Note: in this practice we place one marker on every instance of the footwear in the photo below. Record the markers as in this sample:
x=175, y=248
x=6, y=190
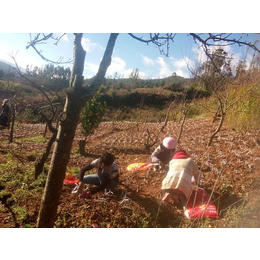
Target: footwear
x=85, y=195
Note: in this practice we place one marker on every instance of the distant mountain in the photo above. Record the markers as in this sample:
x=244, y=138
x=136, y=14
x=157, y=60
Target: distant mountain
x=6, y=66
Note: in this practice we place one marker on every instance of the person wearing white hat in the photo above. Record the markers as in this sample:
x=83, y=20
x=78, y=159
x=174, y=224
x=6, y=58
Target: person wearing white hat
x=164, y=152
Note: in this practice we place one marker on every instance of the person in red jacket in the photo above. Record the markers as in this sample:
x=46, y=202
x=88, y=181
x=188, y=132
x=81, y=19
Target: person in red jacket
x=178, y=181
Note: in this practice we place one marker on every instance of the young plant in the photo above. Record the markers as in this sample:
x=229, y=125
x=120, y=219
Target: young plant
x=91, y=117
x=92, y=114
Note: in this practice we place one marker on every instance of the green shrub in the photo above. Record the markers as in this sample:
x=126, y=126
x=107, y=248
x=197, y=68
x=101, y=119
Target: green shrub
x=92, y=114
x=21, y=213
x=39, y=182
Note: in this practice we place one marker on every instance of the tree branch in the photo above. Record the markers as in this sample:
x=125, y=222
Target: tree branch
x=225, y=39
x=34, y=85
x=106, y=61
x=43, y=40
x=158, y=40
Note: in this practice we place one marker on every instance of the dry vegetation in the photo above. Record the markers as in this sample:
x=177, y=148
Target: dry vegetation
x=229, y=168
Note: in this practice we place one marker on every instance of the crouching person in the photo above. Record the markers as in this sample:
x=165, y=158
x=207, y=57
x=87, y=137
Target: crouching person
x=178, y=182
x=164, y=152
x=106, y=177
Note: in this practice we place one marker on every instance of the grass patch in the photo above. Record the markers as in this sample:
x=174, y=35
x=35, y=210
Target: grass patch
x=35, y=139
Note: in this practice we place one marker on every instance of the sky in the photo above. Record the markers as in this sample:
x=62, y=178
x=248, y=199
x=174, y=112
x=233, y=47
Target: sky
x=129, y=54
x=99, y=18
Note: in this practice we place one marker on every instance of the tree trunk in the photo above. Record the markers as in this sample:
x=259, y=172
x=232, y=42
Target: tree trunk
x=82, y=144
x=217, y=130
x=76, y=97
x=182, y=124
x=11, y=120
x=38, y=169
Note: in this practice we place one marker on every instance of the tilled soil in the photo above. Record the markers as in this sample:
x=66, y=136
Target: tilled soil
x=229, y=168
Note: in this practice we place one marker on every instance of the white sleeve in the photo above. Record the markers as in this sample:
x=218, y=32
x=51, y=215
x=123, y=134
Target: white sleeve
x=96, y=163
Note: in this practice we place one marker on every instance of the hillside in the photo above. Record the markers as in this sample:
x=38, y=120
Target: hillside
x=122, y=94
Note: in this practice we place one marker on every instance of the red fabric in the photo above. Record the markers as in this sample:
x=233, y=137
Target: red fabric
x=179, y=155
x=178, y=191
x=70, y=182
x=197, y=205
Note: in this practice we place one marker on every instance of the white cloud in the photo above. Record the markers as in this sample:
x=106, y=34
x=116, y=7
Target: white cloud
x=179, y=63
x=91, y=67
x=166, y=66
x=164, y=70
x=64, y=37
x=117, y=65
x=147, y=60
x=21, y=59
x=181, y=73
x=127, y=73
x=163, y=67
x=200, y=54
x=89, y=46
x=182, y=63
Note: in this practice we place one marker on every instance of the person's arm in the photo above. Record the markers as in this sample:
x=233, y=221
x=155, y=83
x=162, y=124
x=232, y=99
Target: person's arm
x=155, y=154
x=81, y=175
x=83, y=170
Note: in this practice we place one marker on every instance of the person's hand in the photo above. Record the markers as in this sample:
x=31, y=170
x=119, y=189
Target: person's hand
x=162, y=166
x=156, y=166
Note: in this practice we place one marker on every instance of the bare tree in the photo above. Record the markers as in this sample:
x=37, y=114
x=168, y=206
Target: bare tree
x=222, y=39
x=39, y=165
x=185, y=107
x=205, y=39
x=151, y=141
x=76, y=96
x=216, y=75
x=41, y=38
x=157, y=39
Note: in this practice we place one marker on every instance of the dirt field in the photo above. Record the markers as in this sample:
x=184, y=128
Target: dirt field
x=230, y=167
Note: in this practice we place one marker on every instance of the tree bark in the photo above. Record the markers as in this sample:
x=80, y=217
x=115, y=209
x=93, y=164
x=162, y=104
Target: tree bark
x=11, y=120
x=39, y=165
x=76, y=97
x=182, y=124
x=217, y=130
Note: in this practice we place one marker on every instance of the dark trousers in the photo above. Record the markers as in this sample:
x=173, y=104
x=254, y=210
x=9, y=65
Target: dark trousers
x=101, y=180
x=178, y=197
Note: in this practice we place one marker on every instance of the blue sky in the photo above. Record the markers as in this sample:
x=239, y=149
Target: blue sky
x=128, y=54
